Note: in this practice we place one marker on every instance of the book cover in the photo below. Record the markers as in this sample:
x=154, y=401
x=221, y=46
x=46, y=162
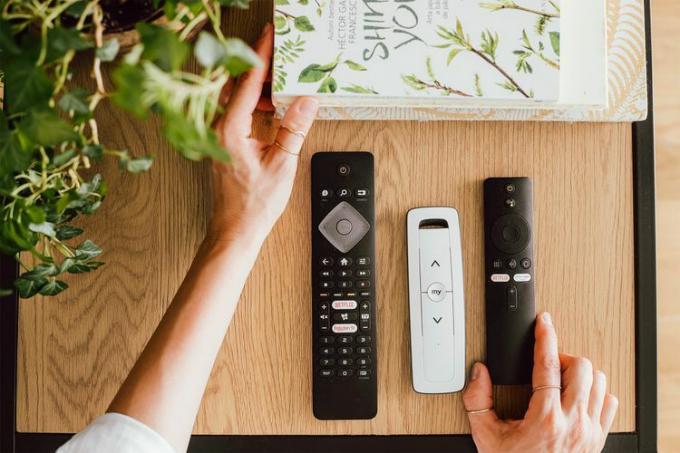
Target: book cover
x=417, y=52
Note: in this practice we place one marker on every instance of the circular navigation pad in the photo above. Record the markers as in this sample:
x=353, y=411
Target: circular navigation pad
x=510, y=234
x=344, y=227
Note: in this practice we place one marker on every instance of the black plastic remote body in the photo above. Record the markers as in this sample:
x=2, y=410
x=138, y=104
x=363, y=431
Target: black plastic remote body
x=510, y=272
x=344, y=382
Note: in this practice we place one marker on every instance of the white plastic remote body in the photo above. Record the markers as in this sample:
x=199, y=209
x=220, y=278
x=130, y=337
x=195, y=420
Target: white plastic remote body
x=436, y=300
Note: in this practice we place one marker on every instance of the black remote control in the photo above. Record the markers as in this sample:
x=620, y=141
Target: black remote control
x=510, y=307
x=344, y=382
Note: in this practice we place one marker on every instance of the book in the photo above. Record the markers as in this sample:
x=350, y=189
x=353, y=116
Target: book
x=601, y=77
x=416, y=52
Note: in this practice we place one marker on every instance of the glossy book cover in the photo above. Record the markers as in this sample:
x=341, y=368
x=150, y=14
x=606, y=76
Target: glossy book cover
x=417, y=52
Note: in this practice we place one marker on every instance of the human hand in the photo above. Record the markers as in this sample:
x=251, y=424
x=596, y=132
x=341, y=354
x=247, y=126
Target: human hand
x=577, y=419
x=251, y=191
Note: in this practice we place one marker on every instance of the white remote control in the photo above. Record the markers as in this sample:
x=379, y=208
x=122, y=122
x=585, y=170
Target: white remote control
x=436, y=300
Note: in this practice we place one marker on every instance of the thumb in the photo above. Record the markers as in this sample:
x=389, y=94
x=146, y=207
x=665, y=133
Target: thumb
x=478, y=396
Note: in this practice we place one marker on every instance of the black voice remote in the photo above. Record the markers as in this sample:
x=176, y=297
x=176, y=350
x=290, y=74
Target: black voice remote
x=510, y=307
x=344, y=382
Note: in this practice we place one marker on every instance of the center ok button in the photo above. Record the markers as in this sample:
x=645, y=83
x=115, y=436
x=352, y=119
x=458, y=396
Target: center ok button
x=436, y=292
x=344, y=227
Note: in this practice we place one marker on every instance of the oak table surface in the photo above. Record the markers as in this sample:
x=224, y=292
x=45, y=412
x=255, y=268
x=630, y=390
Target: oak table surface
x=76, y=349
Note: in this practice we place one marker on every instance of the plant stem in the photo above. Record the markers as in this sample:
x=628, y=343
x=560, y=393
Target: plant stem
x=529, y=10
x=483, y=56
x=437, y=85
x=287, y=15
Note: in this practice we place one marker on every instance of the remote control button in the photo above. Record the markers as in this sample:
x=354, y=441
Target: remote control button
x=365, y=324
x=326, y=193
x=326, y=350
x=345, y=372
x=324, y=326
x=365, y=294
x=344, y=193
x=512, y=298
x=512, y=263
x=338, y=294
x=435, y=261
x=363, y=339
x=344, y=273
x=351, y=294
x=362, y=192
x=363, y=361
x=344, y=284
x=343, y=227
x=326, y=274
x=363, y=273
x=327, y=340
x=344, y=261
x=510, y=202
x=326, y=285
x=500, y=278
x=323, y=307
x=327, y=362
x=497, y=264
x=326, y=261
x=364, y=350
x=510, y=234
x=323, y=294
x=344, y=304
x=363, y=284
x=345, y=362
x=520, y=278
x=525, y=263
x=365, y=306
x=323, y=316
x=363, y=261
x=364, y=374
x=345, y=316
x=326, y=373
x=345, y=340
x=344, y=169
x=509, y=188
x=344, y=328
x=345, y=351
x=436, y=292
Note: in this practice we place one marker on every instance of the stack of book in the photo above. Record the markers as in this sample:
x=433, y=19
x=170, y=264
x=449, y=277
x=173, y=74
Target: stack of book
x=574, y=60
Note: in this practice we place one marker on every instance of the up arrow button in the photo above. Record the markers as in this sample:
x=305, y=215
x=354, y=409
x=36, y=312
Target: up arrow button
x=435, y=263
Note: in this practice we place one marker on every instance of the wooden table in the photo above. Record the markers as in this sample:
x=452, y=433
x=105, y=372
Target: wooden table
x=74, y=350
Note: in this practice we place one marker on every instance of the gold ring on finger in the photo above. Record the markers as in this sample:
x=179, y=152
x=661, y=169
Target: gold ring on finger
x=294, y=132
x=544, y=387
x=283, y=148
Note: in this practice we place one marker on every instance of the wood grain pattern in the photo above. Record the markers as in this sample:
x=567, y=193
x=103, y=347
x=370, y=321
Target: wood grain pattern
x=76, y=349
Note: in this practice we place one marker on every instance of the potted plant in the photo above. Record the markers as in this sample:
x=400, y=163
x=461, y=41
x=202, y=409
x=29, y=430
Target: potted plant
x=49, y=138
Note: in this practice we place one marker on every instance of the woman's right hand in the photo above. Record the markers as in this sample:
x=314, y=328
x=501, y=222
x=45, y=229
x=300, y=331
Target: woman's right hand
x=575, y=419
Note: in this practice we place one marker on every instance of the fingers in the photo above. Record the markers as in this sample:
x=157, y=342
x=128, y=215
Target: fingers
x=246, y=94
x=294, y=126
x=546, y=365
x=577, y=380
x=611, y=405
x=479, y=396
x=597, y=394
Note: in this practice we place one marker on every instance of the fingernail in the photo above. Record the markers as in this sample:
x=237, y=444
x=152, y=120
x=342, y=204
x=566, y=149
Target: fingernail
x=309, y=106
x=266, y=28
x=474, y=373
x=547, y=318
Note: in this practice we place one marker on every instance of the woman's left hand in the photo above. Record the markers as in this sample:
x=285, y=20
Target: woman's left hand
x=252, y=191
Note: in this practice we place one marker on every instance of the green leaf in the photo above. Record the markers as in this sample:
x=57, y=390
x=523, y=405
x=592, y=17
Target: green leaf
x=312, y=73
x=94, y=152
x=302, y=23
x=108, y=51
x=452, y=55
x=329, y=85
x=61, y=40
x=28, y=288
x=162, y=46
x=129, y=81
x=75, y=100
x=53, y=287
x=136, y=165
x=7, y=43
x=355, y=66
x=14, y=156
x=241, y=4
x=359, y=89
x=40, y=271
x=66, y=232
x=555, y=42
x=45, y=228
x=281, y=2
x=188, y=140
x=412, y=81
x=26, y=86
x=60, y=159
x=280, y=24
x=233, y=54
x=87, y=250
x=44, y=127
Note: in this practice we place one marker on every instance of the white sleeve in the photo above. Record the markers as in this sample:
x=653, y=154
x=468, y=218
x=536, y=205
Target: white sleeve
x=116, y=433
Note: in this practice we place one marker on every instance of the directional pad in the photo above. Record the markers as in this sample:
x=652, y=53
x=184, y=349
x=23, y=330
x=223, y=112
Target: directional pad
x=344, y=227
